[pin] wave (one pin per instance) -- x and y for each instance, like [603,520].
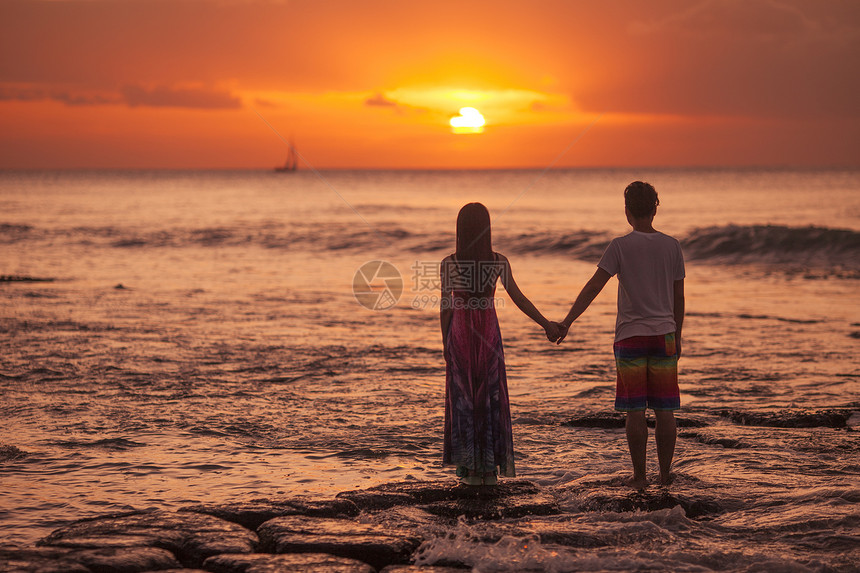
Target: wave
[106,443]
[809,247]
[795,247]
[9,453]
[774,244]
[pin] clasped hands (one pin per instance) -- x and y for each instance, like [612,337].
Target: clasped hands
[556,331]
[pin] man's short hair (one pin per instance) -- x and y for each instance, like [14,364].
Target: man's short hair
[640,198]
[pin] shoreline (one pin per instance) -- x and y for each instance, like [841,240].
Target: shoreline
[416,526]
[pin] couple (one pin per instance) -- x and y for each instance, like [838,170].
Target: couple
[650,269]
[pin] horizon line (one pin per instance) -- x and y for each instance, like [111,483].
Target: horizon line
[779,167]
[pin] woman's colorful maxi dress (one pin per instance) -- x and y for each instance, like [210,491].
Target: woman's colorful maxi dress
[478,436]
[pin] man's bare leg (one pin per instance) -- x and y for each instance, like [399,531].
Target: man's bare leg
[637,440]
[666,433]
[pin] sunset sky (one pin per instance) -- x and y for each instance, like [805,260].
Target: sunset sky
[373,84]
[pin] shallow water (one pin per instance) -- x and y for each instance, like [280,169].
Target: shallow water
[235,361]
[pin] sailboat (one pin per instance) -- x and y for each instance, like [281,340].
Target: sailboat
[292,162]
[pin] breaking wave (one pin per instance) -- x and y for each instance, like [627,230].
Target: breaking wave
[729,244]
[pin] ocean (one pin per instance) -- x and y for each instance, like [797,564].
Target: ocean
[169,338]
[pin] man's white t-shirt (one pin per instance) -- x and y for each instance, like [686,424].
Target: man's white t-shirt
[647,265]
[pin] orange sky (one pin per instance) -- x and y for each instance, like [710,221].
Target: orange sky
[372,84]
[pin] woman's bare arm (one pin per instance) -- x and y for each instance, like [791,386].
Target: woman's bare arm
[522,301]
[446,304]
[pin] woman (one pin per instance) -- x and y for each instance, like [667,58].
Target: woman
[478,437]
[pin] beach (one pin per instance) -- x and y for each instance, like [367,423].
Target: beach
[181,338]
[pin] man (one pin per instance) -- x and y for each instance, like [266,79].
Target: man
[650,269]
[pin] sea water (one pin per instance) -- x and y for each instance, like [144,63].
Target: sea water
[200,340]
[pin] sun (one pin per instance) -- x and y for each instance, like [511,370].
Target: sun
[470,120]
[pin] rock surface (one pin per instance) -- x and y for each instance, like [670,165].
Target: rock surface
[386,527]
[39,559]
[374,544]
[191,537]
[416,569]
[254,513]
[509,499]
[791,418]
[266,563]
[125,559]
[103,560]
[617,420]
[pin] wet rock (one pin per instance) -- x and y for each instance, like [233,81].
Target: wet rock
[712,440]
[103,541]
[375,500]
[511,498]
[24,279]
[254,513]
[9,453]
[496,507]
[104,560]
[444,490]
[417,569]
[600,420]
[265,563]
[629,501]
[791,418]
[424,492]
[379,546]
[403,493]
[125,560]
[688,422]
[181,570]
[191,537]
[39,559]
[568,534]
[406,517]
[617,420]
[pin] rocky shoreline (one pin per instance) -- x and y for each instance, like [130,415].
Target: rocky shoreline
[376,529]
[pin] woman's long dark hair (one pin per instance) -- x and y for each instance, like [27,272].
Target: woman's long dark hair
[474,240]
[475,246]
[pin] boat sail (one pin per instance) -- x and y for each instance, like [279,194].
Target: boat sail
[292,162]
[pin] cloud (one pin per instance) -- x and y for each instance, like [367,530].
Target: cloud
[379,100]
[765,20]
[402,108]
[261,102]
[194,98]
[130,95]
[35,93]
[83,99]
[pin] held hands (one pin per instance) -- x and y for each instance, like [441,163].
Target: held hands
[562,331]
[552,332]
[555,331]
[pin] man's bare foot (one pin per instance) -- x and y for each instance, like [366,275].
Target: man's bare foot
[667,479]
[637,482]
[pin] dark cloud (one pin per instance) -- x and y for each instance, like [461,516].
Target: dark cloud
[379,100]
[130,95]
[194,98]
[83,99]
[31,93]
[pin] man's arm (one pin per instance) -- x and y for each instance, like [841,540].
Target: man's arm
[588,293]
[679,312]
